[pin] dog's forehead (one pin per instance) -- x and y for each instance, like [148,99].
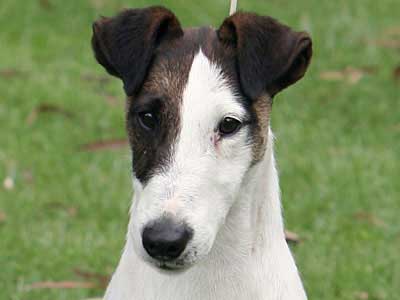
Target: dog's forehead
[173,61]
[196,79]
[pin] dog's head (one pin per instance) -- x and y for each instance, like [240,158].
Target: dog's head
[197,116]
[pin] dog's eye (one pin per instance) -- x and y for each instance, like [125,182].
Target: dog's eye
[229,126]
[147,120]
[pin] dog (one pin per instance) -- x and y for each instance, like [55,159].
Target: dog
[205,220]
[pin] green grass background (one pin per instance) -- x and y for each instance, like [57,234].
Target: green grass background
[338,147]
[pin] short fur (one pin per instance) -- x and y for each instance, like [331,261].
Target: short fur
[224,188]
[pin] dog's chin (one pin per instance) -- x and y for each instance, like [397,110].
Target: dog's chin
[170,268]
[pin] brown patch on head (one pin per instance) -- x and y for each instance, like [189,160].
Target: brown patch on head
[170,68]
[262,107]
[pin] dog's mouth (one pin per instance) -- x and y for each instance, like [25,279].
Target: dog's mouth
[171,267]
[178,265]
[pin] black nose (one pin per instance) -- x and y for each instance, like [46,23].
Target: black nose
[165,239]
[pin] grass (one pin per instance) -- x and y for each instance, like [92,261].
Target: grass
[338,147]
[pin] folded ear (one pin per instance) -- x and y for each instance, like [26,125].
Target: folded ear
[270,56]
[125,44]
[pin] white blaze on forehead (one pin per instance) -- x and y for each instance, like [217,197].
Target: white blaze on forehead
[207,99]
[208,91]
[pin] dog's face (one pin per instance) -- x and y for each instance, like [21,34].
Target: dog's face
[197,117]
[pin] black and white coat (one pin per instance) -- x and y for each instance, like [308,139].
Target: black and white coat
[198,110]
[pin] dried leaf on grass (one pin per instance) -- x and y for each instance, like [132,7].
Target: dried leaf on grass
[113,101]
[70,210]
[389,38]
[48,108]
[98,4]
[101,279]
[370,218]
[396,127]
[292,237]
[92,280]
[62,285]
[3,217]
[350,75]
[389,42]
[97,79]
[11,73]
[104,145]
[392,31]
[362,295]
[46,4]
[396,74]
